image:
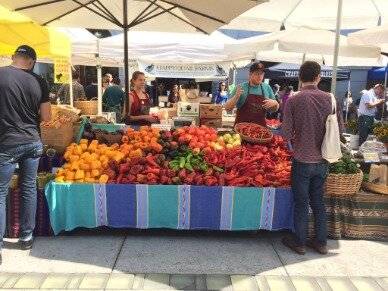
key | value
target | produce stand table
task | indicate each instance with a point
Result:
(362, 216)
(164, 206)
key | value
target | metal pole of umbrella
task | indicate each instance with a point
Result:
(126, 76)
(303, 60)
(71, 95)
(347, 102)
(99, 79)
(385, 90)
(336, 48)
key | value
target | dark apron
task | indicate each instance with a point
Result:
(144, 109)
(252, 110)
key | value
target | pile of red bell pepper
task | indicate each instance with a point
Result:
(254, 165)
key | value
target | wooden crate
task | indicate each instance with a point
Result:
(210, 111)
(214, 122)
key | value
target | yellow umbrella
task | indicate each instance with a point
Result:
(16, 29)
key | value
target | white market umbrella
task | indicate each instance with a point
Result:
(329, 14)
(144, 15)
(277, 14)
(377, 36)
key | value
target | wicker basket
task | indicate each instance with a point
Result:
(254, 140)
(342, 184)
(87, 107)
(375, 188)
(58, 138)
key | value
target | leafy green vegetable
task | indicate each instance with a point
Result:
(345, 166)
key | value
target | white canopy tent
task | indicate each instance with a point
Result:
(292, 46)
(144, 15)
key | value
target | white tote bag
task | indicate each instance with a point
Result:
(331, 145)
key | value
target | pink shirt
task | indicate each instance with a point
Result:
(304, 122)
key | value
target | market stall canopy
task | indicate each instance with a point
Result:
(291, 72)
(377, 36)
(278, 14)
(166, 47)
(377, 74)
(16, 29)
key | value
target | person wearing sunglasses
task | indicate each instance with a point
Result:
(222, 94)
(254, 98)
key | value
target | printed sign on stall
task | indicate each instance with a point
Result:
(185, 70)
(61, 71)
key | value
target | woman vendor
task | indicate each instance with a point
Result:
(140, 102)
(253, 98)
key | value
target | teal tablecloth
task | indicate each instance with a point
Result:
(163, 206)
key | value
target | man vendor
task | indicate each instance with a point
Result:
(253, 98)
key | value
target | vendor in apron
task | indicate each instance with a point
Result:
(253, 98)
(140, 102)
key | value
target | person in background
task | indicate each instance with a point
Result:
(109, 77)
(222, 94)
(253, 98)
(140, 102)
(105, 83)
(347, 102)
(276, 92)
(174, 96)
(78, 90)
(24, 103)
(287, 94)
(113, 100)
(367, 111)
(116, 81)
(91, 90)
(304, 124)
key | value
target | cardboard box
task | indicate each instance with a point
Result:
(213, 122)
(378, 174)
(167, 113)
(189, 95)
(210, 111)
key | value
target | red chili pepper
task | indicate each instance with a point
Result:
(151, 161)
(155, 171)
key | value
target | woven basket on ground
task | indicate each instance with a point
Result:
(251, 139)
(58, 138)
(343, 184)
(87, 107)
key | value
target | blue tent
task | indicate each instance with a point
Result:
(291, 71)
(377, 74)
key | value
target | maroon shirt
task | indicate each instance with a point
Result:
(304, 122)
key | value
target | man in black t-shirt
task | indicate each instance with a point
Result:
(24, 103)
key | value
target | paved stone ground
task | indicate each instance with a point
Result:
(190, 261)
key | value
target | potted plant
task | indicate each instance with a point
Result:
(380, 130)
(352, 129)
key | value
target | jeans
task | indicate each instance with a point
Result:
(27, 156)
(365, 124)
(307, 182)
